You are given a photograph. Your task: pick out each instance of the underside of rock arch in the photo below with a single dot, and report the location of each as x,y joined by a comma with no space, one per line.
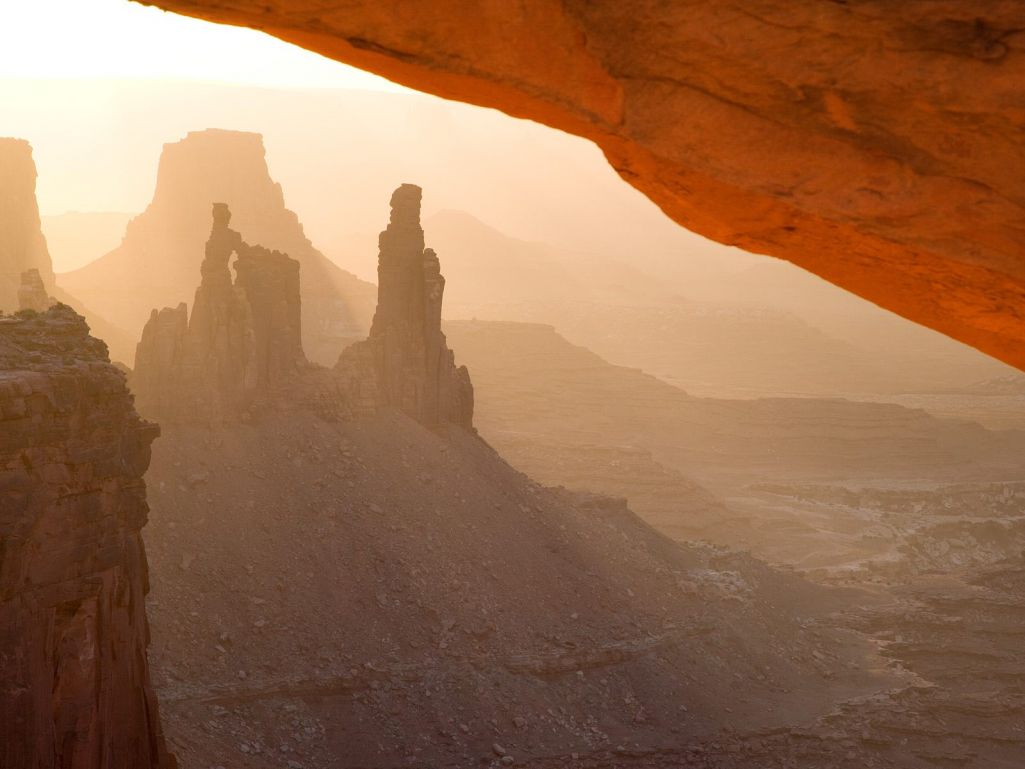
876,144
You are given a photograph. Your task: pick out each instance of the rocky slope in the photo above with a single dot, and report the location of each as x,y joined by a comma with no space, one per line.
160,255
74,683
819,133
373,593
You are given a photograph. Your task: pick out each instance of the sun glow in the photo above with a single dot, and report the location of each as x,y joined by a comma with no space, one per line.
93,39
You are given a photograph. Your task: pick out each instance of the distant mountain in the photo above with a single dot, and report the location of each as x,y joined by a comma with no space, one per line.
491,268
158,259
800,336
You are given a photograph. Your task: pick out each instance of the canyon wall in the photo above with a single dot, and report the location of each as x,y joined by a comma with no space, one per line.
875,144
406,363
244,337
74,684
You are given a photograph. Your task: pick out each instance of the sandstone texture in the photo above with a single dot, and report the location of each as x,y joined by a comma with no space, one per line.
74,684
162,250
244,338
876,144
406,362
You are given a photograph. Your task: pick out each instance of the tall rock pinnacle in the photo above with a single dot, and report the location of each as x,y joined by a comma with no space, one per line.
405,363
22,245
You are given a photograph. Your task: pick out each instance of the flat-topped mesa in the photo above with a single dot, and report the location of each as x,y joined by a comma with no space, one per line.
73,576
406,363
243,340
32,292
160,255
22,245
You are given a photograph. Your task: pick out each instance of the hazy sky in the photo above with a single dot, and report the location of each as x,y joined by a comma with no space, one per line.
121,39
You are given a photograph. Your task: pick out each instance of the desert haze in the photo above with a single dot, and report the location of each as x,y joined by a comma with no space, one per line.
343,426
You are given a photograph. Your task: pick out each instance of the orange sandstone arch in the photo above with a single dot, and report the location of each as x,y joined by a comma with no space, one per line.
878,144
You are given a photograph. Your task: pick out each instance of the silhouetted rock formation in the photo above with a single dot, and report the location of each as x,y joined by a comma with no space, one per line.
156,263
406,362
243,339
22,245
32,292
74,685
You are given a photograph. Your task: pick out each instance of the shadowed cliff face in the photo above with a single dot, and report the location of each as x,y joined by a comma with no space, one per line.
73,575
875,144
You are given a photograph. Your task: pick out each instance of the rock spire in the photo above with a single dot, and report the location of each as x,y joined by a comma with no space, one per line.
244,337
406,363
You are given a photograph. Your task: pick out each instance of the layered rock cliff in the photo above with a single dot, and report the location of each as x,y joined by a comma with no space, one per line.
244,337
74,685
159,257
876,144
406,363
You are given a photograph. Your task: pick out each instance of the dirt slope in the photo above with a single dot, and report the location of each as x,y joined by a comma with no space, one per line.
376,594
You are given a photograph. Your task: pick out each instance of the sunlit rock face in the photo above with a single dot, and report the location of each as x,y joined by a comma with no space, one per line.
876,144
158,260
243,340
74,685
406,362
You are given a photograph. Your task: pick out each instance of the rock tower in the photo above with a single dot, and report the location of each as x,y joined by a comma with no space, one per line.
405,362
